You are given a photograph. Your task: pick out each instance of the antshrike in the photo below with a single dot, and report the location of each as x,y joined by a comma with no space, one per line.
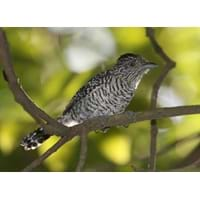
107,93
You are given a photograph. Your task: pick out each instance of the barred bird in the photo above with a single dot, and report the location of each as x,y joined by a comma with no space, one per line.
107,93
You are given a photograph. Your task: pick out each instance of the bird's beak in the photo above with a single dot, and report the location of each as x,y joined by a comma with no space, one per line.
150,65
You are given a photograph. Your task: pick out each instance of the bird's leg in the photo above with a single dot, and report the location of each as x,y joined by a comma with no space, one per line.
125,126
103,130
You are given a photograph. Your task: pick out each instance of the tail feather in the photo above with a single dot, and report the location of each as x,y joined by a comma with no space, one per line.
34,139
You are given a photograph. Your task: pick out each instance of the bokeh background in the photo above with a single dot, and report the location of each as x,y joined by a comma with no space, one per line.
53,63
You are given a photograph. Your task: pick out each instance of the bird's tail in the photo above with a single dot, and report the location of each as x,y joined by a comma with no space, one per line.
34,139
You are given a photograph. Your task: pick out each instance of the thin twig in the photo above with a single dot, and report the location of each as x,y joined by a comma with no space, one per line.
191,160
168,66
177,143
174,144
83,153
194,164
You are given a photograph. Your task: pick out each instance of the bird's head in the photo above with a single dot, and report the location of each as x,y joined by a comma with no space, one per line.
137,62
132,67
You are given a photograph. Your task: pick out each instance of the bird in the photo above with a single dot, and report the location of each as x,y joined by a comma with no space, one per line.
105,94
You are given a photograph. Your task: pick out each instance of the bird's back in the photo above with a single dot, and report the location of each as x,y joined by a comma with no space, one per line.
106,93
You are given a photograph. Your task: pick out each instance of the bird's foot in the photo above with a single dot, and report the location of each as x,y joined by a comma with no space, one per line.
104,130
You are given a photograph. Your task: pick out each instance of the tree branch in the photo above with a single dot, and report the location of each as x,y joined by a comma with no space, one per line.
115,120
193,164
83,153
179,142
191,160
82,129
174,144
168,66
19,94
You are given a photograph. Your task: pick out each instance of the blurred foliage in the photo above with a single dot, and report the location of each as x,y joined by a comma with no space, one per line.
41,64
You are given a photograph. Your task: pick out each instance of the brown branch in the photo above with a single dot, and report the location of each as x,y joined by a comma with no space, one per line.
177,143
191,160
115,120
193,164
83,153
168,66
174,144
19,94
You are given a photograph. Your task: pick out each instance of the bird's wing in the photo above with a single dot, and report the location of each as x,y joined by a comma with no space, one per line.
92,84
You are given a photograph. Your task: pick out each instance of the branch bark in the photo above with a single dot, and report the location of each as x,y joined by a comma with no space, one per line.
167,67
115,120
83,153
191,160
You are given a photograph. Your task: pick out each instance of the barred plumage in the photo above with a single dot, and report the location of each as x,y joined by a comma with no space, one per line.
107,93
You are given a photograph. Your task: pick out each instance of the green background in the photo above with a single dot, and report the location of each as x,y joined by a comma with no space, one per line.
39,62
